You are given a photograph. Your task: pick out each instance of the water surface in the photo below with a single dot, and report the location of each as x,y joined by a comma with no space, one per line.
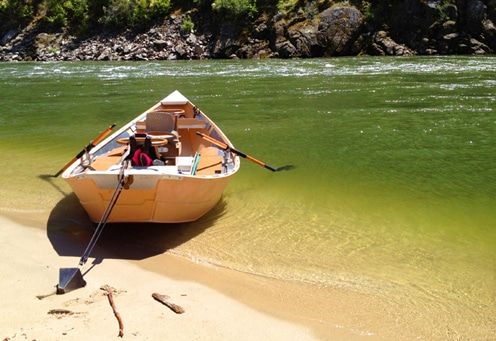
394,188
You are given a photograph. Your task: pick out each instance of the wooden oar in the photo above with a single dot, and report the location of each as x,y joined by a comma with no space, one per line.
90,145
224,146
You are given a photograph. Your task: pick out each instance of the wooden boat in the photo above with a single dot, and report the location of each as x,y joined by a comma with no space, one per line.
187,176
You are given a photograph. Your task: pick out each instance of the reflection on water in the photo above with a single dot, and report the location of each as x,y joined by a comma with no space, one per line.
393,194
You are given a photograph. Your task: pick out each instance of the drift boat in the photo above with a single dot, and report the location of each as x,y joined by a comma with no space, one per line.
168,161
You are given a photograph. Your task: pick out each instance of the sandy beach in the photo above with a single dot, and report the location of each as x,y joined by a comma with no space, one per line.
219,304
29,268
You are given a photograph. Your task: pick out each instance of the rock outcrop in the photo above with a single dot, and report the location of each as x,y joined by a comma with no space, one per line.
406,27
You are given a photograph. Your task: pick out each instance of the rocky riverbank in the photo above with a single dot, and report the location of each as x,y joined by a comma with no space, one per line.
410,27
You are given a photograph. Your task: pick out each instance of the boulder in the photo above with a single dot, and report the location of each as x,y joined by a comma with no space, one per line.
338,28
7,36
285,49
160,44
489,30
475,14
304,38
448,27
382,42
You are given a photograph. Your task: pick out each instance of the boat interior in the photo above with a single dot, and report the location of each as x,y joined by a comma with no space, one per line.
163,140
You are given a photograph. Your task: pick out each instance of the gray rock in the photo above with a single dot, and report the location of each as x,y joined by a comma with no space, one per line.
304,39
285,49
160,44
338,28
475,14
449,27
191,39
181,51
451,36
8,36
389,46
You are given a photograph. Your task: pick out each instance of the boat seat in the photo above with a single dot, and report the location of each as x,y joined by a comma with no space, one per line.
160,122
210,162
103,163
163,123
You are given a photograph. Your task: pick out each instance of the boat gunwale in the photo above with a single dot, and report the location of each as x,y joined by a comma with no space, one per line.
68,173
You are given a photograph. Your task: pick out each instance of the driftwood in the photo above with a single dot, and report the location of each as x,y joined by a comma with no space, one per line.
110,297
60,312
164,299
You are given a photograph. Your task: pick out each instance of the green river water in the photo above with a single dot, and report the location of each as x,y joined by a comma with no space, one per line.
394,190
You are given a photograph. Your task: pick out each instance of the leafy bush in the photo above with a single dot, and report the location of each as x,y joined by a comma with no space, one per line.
133,13
15,12
56,15
287,5
235,8
187,25
67,13
159,8
117,13
442,7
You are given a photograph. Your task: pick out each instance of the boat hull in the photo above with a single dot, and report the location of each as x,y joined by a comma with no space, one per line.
156,198
185,180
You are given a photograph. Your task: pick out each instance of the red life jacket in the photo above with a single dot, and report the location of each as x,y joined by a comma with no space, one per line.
141,159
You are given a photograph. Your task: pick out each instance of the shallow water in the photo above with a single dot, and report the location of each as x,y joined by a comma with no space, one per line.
394,188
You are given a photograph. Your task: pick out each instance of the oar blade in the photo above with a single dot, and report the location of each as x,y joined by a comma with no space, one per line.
285,168
70,279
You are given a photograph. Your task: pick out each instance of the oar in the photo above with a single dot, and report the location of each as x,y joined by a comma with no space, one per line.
224,146
90,146
71,278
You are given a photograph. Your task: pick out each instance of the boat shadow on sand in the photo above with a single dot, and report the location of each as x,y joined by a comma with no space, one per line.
69,230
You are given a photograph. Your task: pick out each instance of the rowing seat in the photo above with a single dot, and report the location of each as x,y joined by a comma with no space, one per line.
162,123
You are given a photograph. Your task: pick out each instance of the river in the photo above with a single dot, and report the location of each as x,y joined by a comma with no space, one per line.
394,187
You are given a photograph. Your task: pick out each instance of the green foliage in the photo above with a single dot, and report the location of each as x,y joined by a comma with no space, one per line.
117,13
56,15
187,25
234,8
133,13
15,12
159,8
441,9
367,11
287,5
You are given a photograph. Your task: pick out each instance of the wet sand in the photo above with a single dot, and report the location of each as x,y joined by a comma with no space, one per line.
29,268
220,304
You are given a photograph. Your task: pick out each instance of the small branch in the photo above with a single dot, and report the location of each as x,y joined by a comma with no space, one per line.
164,299
60,312
110,297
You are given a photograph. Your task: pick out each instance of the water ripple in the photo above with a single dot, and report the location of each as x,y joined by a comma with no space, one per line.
259,69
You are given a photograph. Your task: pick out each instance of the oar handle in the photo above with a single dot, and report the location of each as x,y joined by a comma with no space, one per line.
224,146
90,145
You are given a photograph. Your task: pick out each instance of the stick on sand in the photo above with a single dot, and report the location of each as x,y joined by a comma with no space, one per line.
164,299
108,291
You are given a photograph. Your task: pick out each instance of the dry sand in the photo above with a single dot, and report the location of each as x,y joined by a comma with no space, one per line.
220,304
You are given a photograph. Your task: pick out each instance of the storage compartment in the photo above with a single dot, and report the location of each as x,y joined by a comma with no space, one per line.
184,163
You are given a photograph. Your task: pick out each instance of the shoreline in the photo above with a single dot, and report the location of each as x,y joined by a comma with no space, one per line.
225,302
304,30
30,268
214,296
220,303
